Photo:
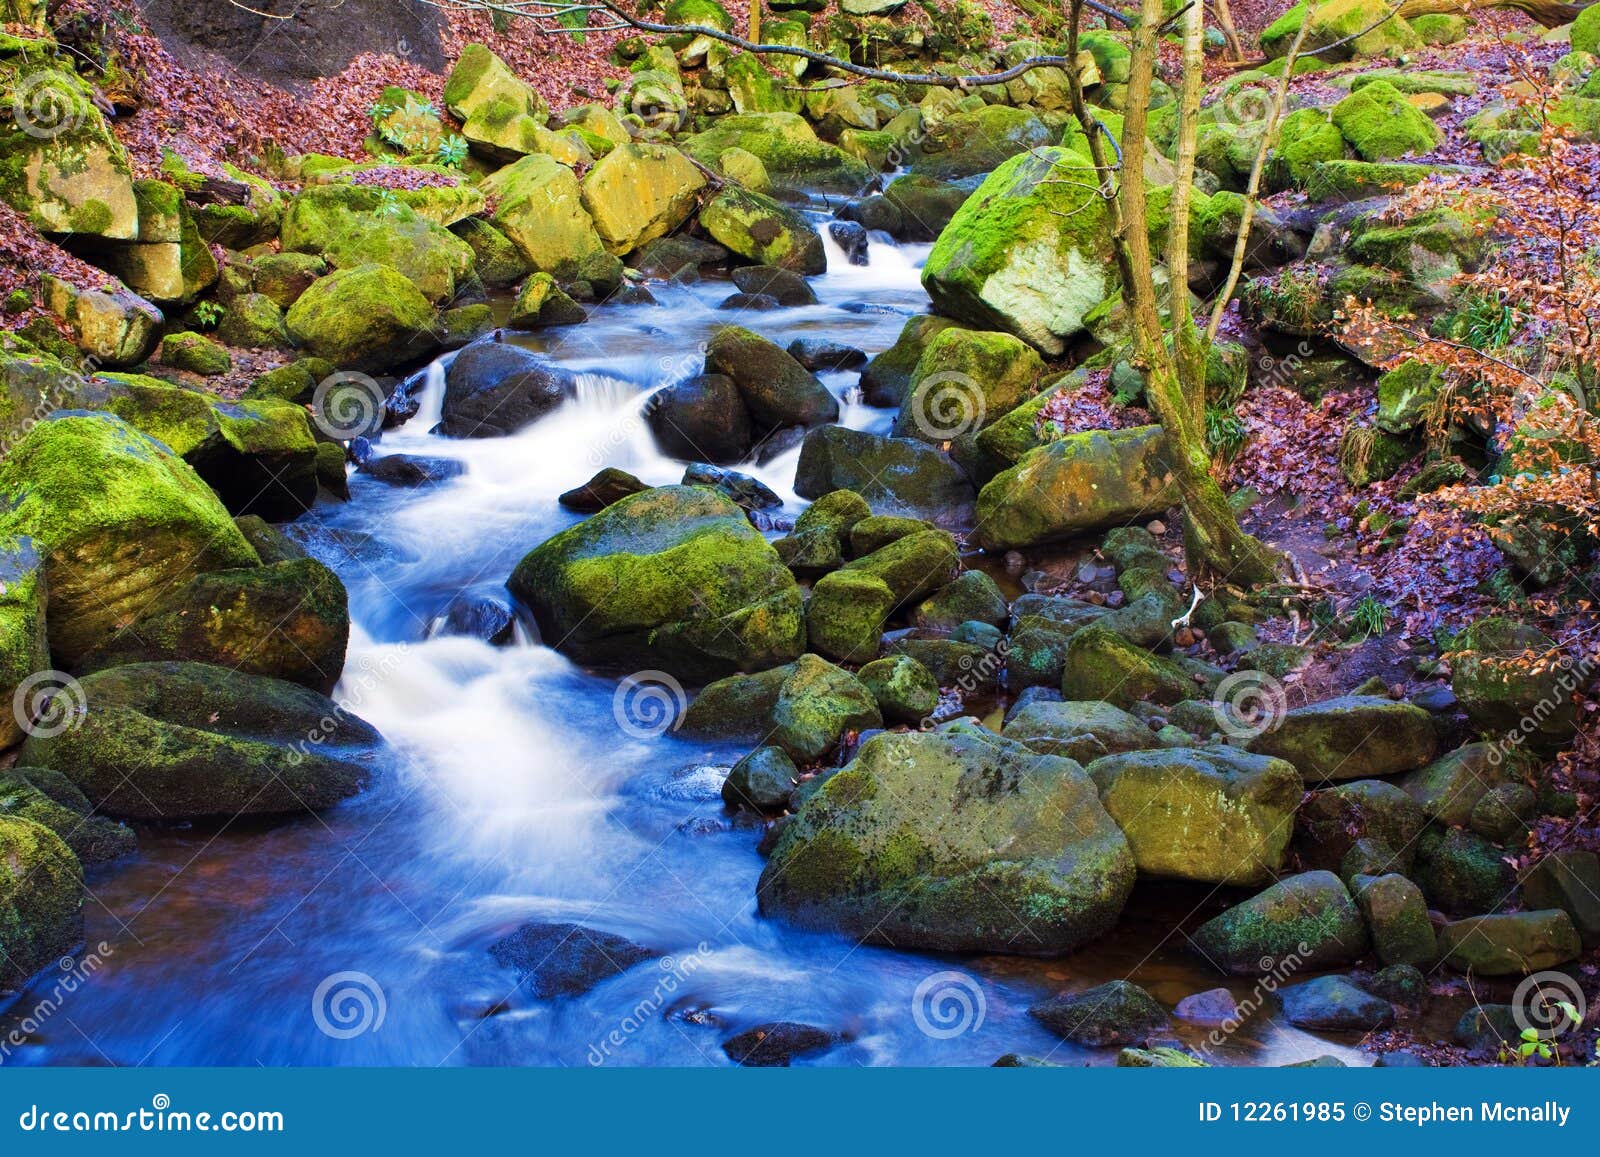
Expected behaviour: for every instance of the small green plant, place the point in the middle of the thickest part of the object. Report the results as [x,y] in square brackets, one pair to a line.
[1486,323]
[1369,617]
[453,151]
[388,204]
[1225,432]
[208,314]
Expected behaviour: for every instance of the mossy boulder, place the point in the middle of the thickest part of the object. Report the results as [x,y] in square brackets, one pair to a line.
[23,651]
[817,542]
[1397,915]
[195,353]
[367,318]
[497,259]
[1307,922]
[60,165]
[1382,125]
[911,566]
[817,704]
[761,781]
[351,226]
[636,193]
[1332,820]
[673,578]
[965,380]
[924,204]
[1501,672]
[1353,737]
[1340,30]
[898,476]
[1211,814]
[258,455]
[253,321]
[114,326]
[117,519]
[886,380]
[795,159]
[759,229]
[1101,664]
[174,741]
[1463,874]
[169,263]
[1114,1013]
[1034,867]
[846,613]
[1078,483]
[703,419]
[49,799]
[964,144]
[777,390]
[1586,31]
[1026,254]
[971,596]
[1079,730]
[539,206]
[1514,944]
[480,77]
[1406,394]
[289,620]
[905,690]
[41,900]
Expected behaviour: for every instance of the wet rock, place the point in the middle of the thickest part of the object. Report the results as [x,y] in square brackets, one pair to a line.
[673,578]
[1397,915]
[1308,919]
[1083,731]
[752,302]
[775,1045]
[1354,737]
[702,418]
[173,741]
[1334,1004]
[1463,874]
[819,354]
[49,798]
[852,238]
[1113,1013]
[412,470]
[750,493]
[787,288]
[493,388]
[477,617]
[868,854]
[1402,984]
[1211,1009]
[41,897]
[561,959]
[607,486]
[761,781]
[1514,944]
[896,475]
[905,690]
[777,390]
[971,596]
[1210,814]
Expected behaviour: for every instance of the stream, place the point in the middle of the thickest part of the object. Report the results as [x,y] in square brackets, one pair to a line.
[513,794]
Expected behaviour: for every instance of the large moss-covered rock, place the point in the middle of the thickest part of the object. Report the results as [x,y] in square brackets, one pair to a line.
[964,381]
[23,651]
[172,741]
[1027,253]
[777,390]
[1397,915]
[759,229]
[41,900]
[911,566]
[906,691]
[114,326]
[1514,944]
[896,475]
[60,165]
[349,227]
[1341,29]
[50,799]
[1210,814]
[1081,482]
[964,144]
[1353,737]
[169,263]
[1382,125]
[258,455]
[817,703]
[1332,820]
[1503,674]
[971,597]
[1079,730]
[1309,920]
[636,193]
[370,317]
[480,77]
[1463,874]
[539,206]
[1101,664]
[886,380]
[955,840]
[1450,787]
[673,578]
[117,519]
[788,148]
[289,620]
[846,613]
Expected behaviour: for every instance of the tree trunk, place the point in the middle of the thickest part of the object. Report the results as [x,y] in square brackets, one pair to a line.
[1230,32]
[1550,13]
[754,30]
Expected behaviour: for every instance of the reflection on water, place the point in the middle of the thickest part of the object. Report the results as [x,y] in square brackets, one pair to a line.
[515,795]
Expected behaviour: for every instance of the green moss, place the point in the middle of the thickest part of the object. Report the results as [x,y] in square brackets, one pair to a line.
[760,230]
[41,897]
[789,149]
[369,317]
[1381,125]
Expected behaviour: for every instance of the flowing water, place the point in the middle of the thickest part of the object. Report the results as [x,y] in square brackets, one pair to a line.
[514,795]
